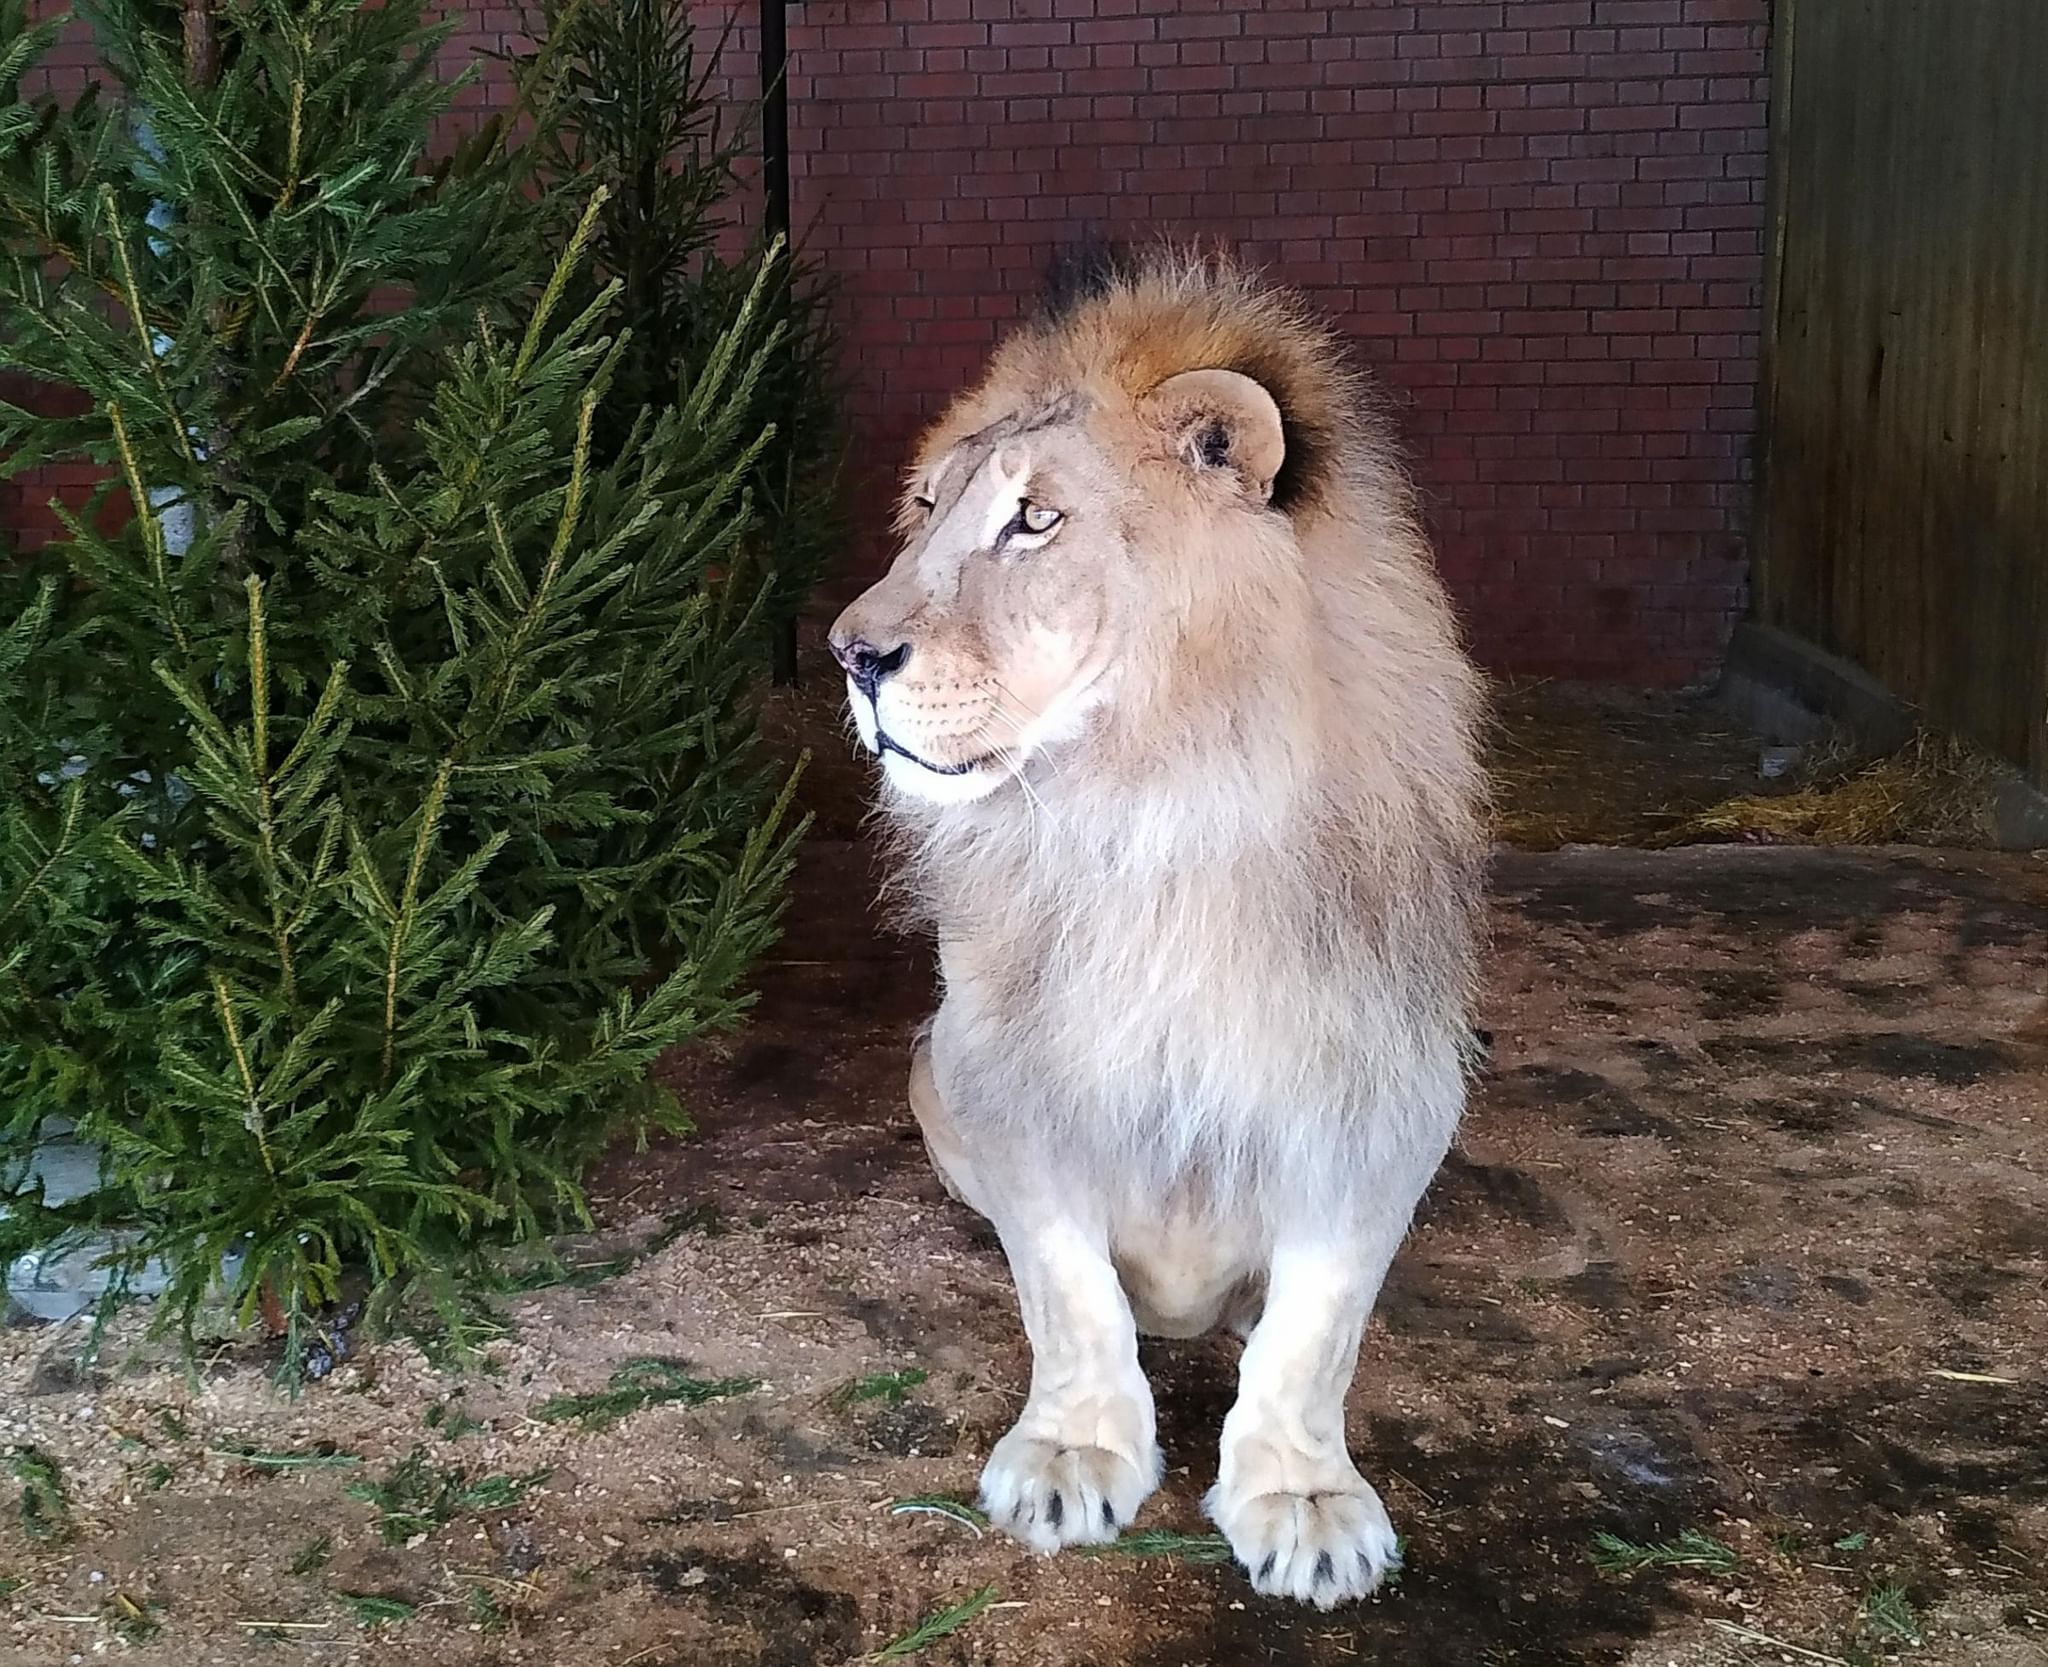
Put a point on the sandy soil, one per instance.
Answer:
(1747, 1235)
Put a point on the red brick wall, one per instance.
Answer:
(1539, 220)
(25, 517)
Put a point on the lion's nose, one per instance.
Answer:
(868, 665)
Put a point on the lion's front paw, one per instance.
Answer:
(1320, 1547)
(1049, 1494)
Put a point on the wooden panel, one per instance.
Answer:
(1905, 468)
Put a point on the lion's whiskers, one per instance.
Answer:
(1016, 768)
(1023, 718)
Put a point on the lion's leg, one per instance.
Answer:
(1297, 1513)
(1083, 1455)
(943, 1142)
(943, 1139)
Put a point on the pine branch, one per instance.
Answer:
(152, 529)
(252, 1118)
(557, 286)
(131, 296)
(402, 916)
(259, 769)
(51, 859)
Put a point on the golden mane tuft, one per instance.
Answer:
(1125, 326)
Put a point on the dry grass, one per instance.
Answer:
(1573, 765)
(1933, 791)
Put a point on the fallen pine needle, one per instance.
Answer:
(370, 1610)
(1164, 1542)
(1415, 1488)
(282, 1626)
(877, 1386)
(938, 1505)
(934, 1627)
(1692, 1549)
(1748, 1636)
(793, 1505)
(287, 1461)
(1974, 1377)
(642, 1382)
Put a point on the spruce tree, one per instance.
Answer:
(636, 108)
(378, 796)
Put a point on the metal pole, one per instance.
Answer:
(775, 116)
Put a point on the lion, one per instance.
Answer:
(1177, 740)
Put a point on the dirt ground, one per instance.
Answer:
(1747, 1236)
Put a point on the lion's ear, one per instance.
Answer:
(1221, 419)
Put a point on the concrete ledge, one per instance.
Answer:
(1789, 691)
(2020, 815)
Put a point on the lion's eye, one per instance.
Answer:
(925, 502)
(1032, 520)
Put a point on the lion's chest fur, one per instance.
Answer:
(1160, 995)
(1203, 1009)
(1188, 1025)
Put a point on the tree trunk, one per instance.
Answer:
(202, 43)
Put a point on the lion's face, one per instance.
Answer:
(990, 637)
(1030, 562)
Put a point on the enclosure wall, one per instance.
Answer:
(1905, 520)
(1540, 220)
